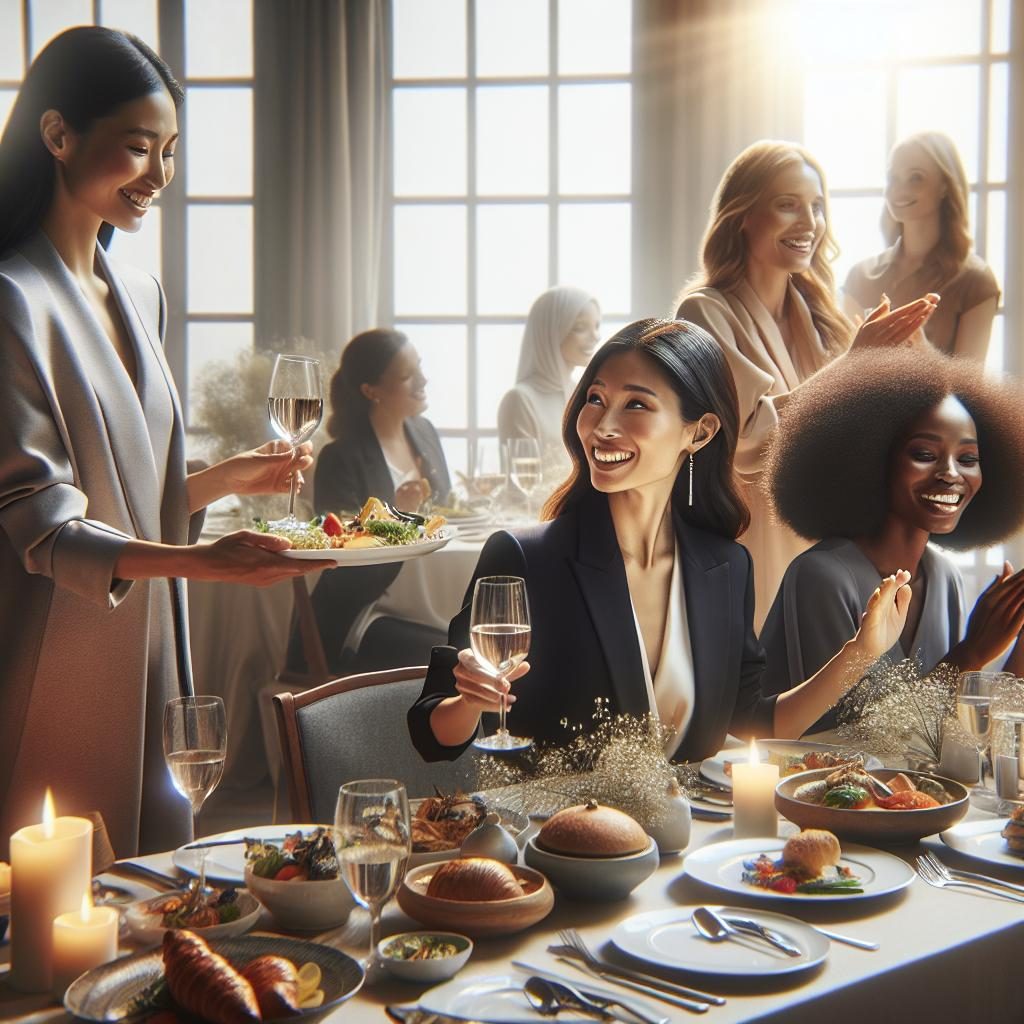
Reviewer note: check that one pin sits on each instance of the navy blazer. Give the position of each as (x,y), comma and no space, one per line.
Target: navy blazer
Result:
(584,643)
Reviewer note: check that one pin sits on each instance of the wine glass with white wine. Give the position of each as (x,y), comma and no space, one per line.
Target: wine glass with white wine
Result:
(499,633)
(296,405)
(974,712)
(525,465)
(195,745)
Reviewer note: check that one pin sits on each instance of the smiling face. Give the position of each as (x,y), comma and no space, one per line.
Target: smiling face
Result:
(936,470)
(578,345)
(915,187)
(786,224)
(118,166)
(401,388)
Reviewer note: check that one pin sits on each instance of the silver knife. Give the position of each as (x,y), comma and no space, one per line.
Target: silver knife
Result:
(745,924)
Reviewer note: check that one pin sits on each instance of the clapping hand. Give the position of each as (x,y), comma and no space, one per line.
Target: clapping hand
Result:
(997,618)
(885,327)
(885,615)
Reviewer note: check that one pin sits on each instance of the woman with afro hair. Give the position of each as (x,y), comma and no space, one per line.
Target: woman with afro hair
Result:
(880,454)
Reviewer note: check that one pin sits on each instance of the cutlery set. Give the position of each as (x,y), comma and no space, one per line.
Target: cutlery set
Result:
(931,870)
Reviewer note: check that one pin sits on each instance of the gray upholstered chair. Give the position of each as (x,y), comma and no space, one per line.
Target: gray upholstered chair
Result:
(354,728)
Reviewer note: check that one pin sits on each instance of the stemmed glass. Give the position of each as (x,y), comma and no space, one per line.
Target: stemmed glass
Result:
(371,824)
(296,405)
(525,464)
(195,745)
(489,473)
(499,633)
(974,712)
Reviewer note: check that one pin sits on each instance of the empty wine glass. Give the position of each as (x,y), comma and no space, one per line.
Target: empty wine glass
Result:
(195,745)
(296,405)
(499,633)
(371,824)
(524,459)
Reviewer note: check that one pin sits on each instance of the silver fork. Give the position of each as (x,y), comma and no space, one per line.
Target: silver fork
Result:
(954,874)
(928,874)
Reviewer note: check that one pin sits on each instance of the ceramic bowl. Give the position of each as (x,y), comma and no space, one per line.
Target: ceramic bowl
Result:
(426,971)
(872,825)
(300,905)
(477,917)
(593,878)
(146,928)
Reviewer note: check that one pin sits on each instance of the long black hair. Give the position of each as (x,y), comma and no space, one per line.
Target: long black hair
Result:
(363,361)
(84,73)
(694,365)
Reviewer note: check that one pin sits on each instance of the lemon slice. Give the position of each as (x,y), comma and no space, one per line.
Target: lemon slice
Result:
(309,980)
(315,998)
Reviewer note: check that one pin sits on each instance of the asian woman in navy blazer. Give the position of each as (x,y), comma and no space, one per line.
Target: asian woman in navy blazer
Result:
(639,594)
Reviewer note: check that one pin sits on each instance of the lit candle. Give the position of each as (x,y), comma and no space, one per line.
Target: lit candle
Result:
(753,797)
(51,869)
(82,940)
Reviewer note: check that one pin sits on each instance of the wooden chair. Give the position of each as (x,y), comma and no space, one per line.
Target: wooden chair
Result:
(355,728)
(317,671)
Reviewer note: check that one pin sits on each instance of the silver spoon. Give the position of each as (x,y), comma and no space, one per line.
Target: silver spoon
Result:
(549,997)
(716,929)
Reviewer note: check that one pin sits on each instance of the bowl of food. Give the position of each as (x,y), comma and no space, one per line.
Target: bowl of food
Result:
(299,881)
(440,824)
(425,957)
(476,896)
(591,852)
(213,914)
(884,805)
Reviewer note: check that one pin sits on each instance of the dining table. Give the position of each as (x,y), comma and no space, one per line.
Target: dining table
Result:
(943,955)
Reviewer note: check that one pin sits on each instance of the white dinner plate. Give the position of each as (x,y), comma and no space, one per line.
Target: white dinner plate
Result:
(377,556)
(721,865)
(227,863)
(667,938)
(713,768)
(981,840)
(497,998)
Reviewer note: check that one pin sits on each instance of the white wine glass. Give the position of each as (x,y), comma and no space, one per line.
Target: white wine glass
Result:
(499,633)
(489,473)
(296,405)
(974,712)
(371,825)
(524,459)
(195,745)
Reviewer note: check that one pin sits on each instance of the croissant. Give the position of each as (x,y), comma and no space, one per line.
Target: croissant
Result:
(474,878)
(276,984)
(204,983)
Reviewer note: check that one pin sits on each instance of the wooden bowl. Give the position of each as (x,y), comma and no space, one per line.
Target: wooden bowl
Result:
(477,918)
(872,825)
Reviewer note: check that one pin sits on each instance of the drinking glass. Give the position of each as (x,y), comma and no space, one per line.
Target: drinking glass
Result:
(195,745)
(489,473)
(499,633)
(974,712)
(371,824)
(524,461)
(296,405)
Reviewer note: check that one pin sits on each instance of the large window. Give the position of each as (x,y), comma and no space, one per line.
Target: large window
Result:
(511,173)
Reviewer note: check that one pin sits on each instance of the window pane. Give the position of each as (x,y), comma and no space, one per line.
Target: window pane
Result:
(456,454)
(995,242)
(832,30)
(594,37)
(219,144)
(430,260)
(840,106)
(855,223)
(512,140)
(220,259)
(430,38)
(11,64)
(998,122)
(497,349)
(511,257)
(218,38)
(594,252)
(136,16)
(430,142)
(511,38)
(142,249)
(442,348)
(6,102)
(594,138)
(994,361)
(209,344)
(53,16)
(999,38)
(946,99)
(920,28)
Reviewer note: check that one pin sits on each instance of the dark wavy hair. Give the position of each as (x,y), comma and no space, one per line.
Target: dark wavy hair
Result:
(84,73)
(363,361)
(827,467)
(694,365)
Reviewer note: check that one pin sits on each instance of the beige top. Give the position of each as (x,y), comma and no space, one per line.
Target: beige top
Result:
(972,286)
(765,368)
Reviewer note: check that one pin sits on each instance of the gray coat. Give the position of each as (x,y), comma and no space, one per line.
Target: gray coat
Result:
(87,661)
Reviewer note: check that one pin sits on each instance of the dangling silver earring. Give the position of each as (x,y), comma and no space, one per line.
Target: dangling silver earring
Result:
(691,479)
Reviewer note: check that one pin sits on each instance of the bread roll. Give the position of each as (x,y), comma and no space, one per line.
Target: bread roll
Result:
(276,984)
(204,983)
(811,851)
(1013,831)
(590,830)
(473,879)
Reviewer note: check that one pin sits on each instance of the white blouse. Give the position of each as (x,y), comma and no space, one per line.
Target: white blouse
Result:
(401,476)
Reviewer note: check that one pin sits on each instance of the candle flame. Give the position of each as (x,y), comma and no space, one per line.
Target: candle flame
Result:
(755,758)
(86,906)
(49,813)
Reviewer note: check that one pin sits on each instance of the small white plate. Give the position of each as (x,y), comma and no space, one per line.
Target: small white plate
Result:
(227,863)
(721,865)
(667,938)
(497,998)
(377,556)
(713,768)
(147,929)
(981,840)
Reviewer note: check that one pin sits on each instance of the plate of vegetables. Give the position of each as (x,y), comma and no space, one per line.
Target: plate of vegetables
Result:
(213,913)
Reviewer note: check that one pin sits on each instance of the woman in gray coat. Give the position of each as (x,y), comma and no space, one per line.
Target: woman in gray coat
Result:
(98,516)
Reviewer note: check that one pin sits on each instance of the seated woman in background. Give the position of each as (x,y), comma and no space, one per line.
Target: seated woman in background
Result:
(765,294)
(383,447)
(561,333)
(638,592)
(879,454)
(930,248)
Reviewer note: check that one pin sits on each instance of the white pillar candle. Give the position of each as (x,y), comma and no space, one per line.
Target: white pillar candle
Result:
(51,869)
(753,797)
(82,939)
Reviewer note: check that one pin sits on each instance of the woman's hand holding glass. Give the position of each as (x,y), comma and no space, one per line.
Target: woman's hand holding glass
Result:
(480,689)
(884,326)
(268,469)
